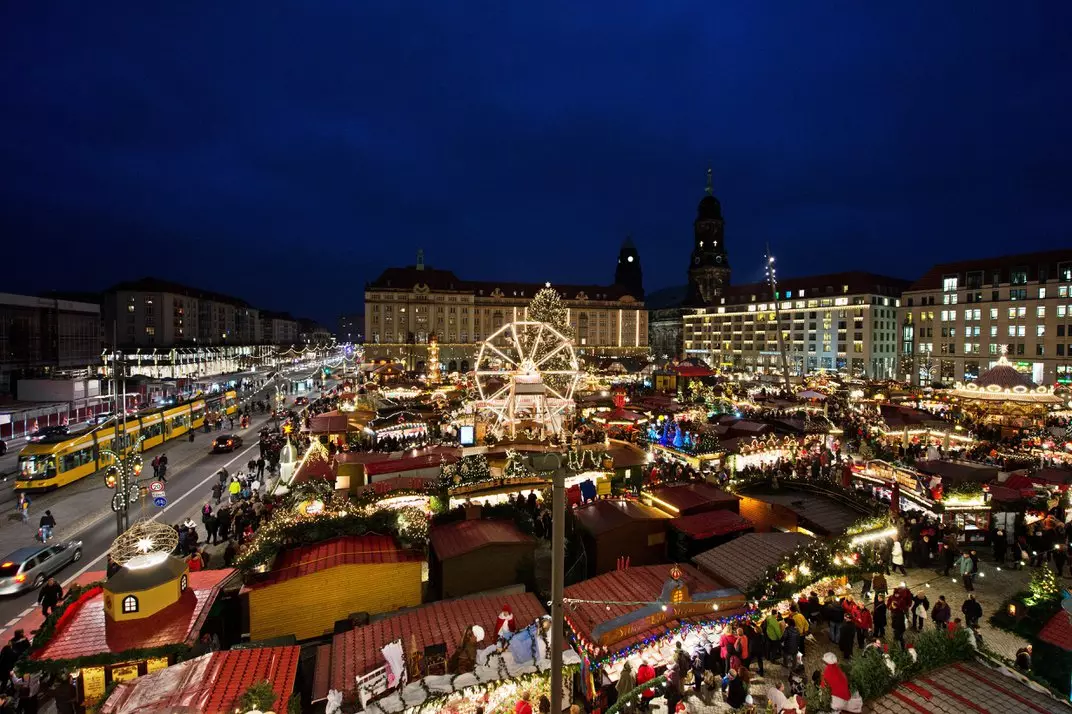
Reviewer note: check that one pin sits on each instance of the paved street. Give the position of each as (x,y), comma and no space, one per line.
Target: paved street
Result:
(82,510)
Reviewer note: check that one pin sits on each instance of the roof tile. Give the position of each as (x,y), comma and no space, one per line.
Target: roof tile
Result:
(741,561)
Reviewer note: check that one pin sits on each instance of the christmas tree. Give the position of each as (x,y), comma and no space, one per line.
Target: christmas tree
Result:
(547,306)
(1044,586)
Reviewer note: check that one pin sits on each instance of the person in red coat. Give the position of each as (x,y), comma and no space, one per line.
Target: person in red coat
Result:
(645,673)
(863,625)
(524,706)
(835,680)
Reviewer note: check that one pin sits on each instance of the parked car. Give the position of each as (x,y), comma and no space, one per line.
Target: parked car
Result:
(47,431)
(226,443)
(301,401)
(30,567)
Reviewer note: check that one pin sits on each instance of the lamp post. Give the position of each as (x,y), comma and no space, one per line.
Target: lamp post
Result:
(555,464)
(122,476)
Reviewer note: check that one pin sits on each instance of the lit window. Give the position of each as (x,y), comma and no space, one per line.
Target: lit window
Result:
(1040,330)
(993,313)
(1040,311)
(130,604)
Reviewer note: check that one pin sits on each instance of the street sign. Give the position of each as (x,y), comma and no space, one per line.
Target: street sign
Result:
(156,487)
(160,501)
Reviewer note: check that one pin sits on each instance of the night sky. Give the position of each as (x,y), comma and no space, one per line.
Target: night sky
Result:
(286,157)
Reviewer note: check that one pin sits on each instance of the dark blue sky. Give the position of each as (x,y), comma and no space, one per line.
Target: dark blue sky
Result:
(289,155)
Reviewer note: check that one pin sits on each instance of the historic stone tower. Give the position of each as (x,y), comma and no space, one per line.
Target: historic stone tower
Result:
(627,273)
(709,265)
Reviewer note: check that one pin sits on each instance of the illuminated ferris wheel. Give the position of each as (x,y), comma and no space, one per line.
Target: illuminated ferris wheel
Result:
(525,373)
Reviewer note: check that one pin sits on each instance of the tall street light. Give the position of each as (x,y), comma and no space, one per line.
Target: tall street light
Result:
(122,475)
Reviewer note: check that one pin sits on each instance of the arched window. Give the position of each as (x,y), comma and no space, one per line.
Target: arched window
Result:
(130,604)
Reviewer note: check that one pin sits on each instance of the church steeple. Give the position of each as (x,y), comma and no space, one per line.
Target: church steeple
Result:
(628,273)
(709,265)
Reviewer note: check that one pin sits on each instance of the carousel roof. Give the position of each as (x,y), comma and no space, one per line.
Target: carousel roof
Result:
(1003,382)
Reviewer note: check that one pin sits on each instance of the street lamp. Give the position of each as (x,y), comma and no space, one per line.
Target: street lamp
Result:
(122,476)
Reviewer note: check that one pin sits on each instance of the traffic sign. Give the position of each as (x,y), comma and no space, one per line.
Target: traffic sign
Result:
(160,501)
(156,487)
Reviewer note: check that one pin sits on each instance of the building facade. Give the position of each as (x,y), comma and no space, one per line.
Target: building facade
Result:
(40,337)
(154,314)
(957,318)
(406,307)
(845,322)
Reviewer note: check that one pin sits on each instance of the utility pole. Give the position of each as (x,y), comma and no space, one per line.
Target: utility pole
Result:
(773,281)
(554,463)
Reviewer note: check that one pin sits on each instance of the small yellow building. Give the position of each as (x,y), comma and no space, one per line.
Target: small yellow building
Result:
(311,587)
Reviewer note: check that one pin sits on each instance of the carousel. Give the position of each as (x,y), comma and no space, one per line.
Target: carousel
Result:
(1004,397)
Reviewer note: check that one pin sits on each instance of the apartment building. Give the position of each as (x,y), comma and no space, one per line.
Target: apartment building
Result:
(40,336)
(278,328)
(956,319)
(844,322)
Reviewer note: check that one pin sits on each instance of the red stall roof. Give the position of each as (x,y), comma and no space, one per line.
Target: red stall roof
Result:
(711,524)
(211,684)
(344,550)
(454,539)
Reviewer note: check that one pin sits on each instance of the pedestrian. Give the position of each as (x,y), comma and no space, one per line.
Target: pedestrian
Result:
(847,636)
(50,596)
(24,507)
(878,584)
(920,606)
(217,493)
(899,626)
(964,567)
(790,643)
(941,613)
(47,523)
(972,610)
(897,556)
(1060,557)
(260,468)
(864,624)
(772,628)
(211,524)
(1023,658)
(1000,545)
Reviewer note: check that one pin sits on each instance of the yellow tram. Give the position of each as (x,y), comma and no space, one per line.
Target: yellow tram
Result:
(62,459)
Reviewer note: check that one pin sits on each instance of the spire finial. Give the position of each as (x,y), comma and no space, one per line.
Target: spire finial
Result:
(710,189)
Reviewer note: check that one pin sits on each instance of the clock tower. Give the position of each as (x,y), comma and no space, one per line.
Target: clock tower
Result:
(709,265)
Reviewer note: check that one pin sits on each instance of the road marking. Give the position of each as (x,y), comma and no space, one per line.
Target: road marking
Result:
(13,621)
(174,503)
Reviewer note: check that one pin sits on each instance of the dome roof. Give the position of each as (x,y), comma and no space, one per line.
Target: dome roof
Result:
(1004,376)
(709,208)
(289,453)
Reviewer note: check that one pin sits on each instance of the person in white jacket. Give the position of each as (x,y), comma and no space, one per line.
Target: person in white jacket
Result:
(897,556)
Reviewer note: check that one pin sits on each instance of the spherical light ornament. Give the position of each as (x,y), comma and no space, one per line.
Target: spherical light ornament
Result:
(147,541)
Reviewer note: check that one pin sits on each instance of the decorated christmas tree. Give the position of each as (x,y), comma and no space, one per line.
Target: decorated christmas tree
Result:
(1044,586)
(547,306)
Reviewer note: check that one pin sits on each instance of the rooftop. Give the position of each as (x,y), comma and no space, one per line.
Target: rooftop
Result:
(965,687)
(228,675)
(359,651)
(602,516)
(462,537)
(829,285)
(953,472)
(711,524)
(1058,630)
(743,560)
(156,285)
(823,515)
(445,280)
(85,630)
(344,550)
(687,498)
(1002,265)
(639,584)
